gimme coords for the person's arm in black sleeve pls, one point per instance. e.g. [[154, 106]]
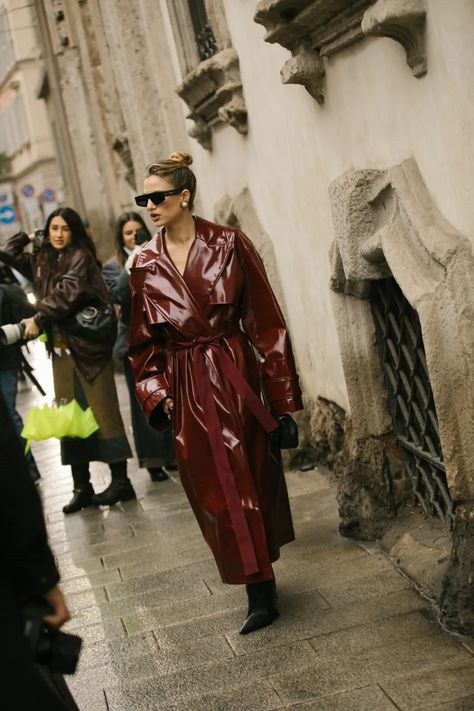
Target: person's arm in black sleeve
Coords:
[[13, 253], [25, 553], [111, 273]]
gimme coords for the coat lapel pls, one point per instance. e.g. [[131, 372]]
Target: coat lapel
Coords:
[[181, 300]]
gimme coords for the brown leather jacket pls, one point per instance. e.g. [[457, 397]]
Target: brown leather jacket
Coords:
[[58, 297]]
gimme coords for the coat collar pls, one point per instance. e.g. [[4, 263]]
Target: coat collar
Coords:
[[206, 262]]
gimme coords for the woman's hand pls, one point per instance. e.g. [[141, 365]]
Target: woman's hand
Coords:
[[31, 328], [168, 406], [60, 613]]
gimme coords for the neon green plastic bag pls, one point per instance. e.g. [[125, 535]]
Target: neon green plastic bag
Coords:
[[64, 421]]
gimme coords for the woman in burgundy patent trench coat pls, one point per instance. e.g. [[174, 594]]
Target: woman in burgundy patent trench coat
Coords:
[[201, 303]]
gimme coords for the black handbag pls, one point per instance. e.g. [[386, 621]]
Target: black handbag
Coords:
[[95, 321]]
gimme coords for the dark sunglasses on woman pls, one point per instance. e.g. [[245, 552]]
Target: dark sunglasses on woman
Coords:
[[156, 197]]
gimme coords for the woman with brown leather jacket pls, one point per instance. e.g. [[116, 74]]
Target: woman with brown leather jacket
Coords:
[[65, 273]]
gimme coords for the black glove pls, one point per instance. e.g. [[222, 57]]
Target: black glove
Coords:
[[287, 432]]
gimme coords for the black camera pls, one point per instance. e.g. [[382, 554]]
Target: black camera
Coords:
[[141, 237], [11, 333], [59, 651]]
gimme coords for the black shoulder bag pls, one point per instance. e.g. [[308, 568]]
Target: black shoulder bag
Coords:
[[95, 322]]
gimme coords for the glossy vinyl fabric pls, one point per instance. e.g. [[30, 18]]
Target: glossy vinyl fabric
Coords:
[[192, 337]]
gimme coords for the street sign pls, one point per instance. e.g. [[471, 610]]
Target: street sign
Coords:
[[27, 190], [48, 195], [7, 215]]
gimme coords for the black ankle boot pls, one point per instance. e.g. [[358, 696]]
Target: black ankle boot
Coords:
[[82, 497], [157, 474], [262, 606], [118, 490]]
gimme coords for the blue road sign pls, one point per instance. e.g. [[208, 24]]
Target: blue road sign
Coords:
[[28, 190], [7, 215], [48, 195]]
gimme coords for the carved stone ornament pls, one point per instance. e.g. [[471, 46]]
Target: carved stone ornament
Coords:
[[403, 21], [213, 93], [313, 29], [122, 148]]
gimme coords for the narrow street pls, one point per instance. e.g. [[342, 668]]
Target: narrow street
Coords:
[[160, 630]]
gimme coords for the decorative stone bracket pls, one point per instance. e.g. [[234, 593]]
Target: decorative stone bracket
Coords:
[[403, 21], [213, 93], [313, 29]]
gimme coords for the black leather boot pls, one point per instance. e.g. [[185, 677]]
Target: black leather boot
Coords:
[[158, 474], [81, 498], [119, 489], [83, 491], [262, 606]]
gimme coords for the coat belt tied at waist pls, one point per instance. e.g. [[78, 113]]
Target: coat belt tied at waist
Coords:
[[214, 429]]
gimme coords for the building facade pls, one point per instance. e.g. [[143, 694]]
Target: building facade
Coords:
[[30, 181], [339, 136]]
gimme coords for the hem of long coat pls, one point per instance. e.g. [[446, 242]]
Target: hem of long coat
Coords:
[[265, 573]]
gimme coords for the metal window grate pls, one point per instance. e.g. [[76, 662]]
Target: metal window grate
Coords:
[[206, 42], [410, 397]]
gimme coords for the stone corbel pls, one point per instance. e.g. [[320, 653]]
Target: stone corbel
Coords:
[[307, 68], [404, 22], [122, 148], [213, 93], [314, 29]]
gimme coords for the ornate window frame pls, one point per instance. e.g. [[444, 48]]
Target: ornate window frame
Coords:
[[386, 224], [212, 88]]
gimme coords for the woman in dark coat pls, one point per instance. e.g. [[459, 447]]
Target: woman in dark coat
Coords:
[[154, 449], [65, 273], [201, 304]]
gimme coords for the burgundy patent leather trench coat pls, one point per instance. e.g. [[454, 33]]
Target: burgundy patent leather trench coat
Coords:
[[192, 338]]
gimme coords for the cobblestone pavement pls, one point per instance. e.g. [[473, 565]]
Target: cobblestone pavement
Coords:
[[161, 631]]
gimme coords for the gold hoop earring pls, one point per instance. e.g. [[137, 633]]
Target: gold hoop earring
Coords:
[[184, 204]]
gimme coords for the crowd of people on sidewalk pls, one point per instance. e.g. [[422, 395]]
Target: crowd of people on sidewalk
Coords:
[[206, 356]]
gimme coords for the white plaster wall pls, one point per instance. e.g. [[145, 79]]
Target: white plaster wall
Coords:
[[376, 115]]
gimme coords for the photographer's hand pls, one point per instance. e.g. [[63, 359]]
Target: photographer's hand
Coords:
[[31, 330], [60, 612]]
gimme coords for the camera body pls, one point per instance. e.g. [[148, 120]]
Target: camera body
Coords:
[[56, 650], [38, 239], [11, 333], [141, 237]]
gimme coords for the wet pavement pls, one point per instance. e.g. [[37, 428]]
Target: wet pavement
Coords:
[[160, 630]]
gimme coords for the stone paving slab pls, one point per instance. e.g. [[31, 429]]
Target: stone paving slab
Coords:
[[204, 680], [160, 629], [431, 687]]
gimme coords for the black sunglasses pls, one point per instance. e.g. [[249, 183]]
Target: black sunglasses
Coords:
[[156, 197]]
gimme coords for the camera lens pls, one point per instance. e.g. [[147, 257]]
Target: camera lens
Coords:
[[11, 333]]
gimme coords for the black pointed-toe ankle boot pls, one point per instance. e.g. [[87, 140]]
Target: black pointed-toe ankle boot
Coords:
[[262, 606], [83, 491], [119, 489], [158, 474]]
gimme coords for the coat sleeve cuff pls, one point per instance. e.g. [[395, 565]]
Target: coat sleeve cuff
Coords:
[[283, 392], [153, 410]]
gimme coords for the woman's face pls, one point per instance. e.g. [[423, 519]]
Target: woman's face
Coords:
[[60, 235], [129, 230], [168, 211]]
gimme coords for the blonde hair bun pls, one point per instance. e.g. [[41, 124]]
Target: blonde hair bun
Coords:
[[183, 158]]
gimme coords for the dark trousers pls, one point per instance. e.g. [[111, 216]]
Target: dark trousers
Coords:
[[8, 390]]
